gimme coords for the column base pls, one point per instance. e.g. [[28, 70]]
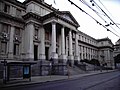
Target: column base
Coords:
[[10, 55], [29, 56], [71, 60], [63, 59], [54, 57], [42, 57], [77, 58]]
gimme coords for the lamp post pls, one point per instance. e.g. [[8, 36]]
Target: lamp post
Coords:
[[4, 72], [50, 69]]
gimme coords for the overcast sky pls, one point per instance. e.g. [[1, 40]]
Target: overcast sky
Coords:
[[87, 24]]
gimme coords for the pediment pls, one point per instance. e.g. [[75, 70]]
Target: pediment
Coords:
[[68, 16]]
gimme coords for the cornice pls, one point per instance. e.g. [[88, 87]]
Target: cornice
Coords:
[[11, 17], [41, 2], [88, 44], [17, 3], [102, 47], [32, 15]]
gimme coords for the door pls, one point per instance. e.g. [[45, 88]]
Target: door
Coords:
[[46, 52], [35, 52]]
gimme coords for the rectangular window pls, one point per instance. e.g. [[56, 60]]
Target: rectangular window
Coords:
[[6, 8], [36, 32], [16, 49], [3, 47], [5, 28], [46, 35]]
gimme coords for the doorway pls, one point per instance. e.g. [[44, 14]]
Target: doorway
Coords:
[[35, 52], [46, 52]]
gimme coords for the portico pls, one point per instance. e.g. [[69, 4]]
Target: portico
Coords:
[[62, 40]]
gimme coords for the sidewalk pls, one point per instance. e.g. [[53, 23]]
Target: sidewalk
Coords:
[[43, 79]]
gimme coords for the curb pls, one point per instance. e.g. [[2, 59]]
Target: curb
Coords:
[[59, 80], [101, 82]]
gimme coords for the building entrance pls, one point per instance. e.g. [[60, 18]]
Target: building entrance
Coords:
[[47, 52], [35, 52]]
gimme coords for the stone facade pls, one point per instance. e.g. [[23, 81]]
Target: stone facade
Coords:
[[117, 48], [35, 31]]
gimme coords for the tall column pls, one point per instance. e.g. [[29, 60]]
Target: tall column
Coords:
[[90, 53], [76, 48], [53, 42], [67, 46], [82, 52], [108, 54], [11, 44], [29, 33], [71, 58], [63, 56], [62, 41], [59, 49], [42, 43], [70, 44]]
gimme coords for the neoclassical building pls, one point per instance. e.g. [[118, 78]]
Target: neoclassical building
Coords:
[[35, 31], [117, 48]]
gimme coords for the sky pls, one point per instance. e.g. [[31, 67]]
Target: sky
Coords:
[[87, 24]]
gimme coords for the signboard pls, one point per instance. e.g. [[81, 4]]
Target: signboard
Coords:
[[26, 71]]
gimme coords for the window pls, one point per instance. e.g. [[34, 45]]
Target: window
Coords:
[[36, 32], [18, 12], [17, 31], [5, 28], [6, 8], [3, 47], [16, 49], [46, 35]]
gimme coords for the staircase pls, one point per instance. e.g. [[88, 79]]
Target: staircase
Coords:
[[76, 70]]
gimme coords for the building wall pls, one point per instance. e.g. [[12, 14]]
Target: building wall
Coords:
[[20, 35]]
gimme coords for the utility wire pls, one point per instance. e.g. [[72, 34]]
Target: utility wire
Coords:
[[105, 8], [84, 2], [105, 13], [109, 13], [92, 18]]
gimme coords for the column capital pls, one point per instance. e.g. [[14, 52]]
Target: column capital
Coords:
[[53, 22]]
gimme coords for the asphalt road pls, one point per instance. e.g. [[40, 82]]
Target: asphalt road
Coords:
[[106, 81]]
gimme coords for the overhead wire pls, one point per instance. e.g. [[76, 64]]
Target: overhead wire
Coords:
[[105, 7], [92, 17], [106, 14], [84, 2], [109, 13]]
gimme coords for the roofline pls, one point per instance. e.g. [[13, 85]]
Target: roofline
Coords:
[[70, 15], [18, 3], [55, 14], [42, 3]]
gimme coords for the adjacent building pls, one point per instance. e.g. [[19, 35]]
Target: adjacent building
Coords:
[[35, 31]]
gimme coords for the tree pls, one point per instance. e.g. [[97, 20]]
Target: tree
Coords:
[[95, 62]]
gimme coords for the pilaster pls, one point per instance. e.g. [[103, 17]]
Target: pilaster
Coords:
[[11, 44]]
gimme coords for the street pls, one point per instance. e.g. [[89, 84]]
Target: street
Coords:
[[106, 81]]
